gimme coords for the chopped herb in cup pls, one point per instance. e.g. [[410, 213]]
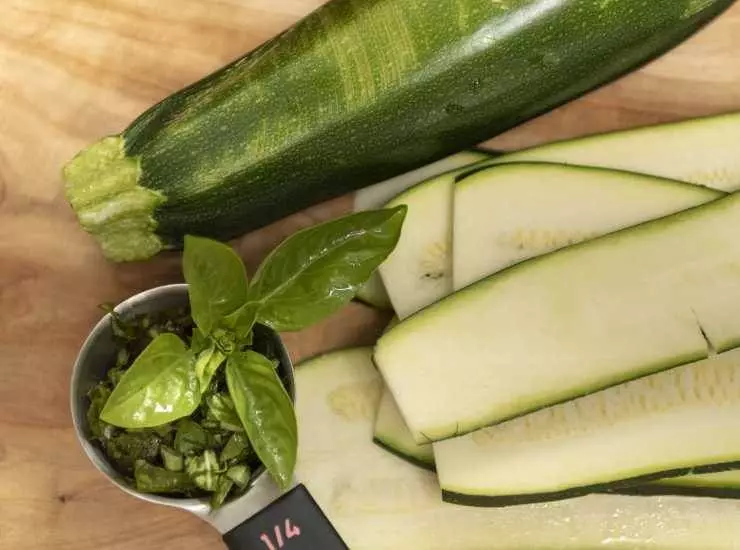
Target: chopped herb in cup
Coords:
[[194, 404]]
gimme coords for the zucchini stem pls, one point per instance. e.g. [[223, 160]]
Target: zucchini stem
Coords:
[[102, 186]]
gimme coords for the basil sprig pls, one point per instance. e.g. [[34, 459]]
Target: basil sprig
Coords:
[[306, 278]]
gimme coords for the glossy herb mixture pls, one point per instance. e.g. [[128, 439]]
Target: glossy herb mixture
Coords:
[[194, 403]]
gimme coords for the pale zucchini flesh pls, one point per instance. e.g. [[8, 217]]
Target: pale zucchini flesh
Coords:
[[378, 502], [508, 213], [390, 432], [419, 270], [417, 273], [680, 421], [376, 196], [373, 293], [568, 206], [701, 151], [513, 212], [569, 323]]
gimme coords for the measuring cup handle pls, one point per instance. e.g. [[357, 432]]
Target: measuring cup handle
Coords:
[[293, 521]]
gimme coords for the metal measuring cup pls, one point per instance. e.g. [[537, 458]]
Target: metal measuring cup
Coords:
[[98, 353]]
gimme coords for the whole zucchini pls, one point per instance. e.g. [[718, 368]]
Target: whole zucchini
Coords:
[[356, 92]]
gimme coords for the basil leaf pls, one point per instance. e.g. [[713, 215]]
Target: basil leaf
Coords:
[[172, 460], [152, 479], [209, 422], [126, 448], [207, 364], [217, 280], [224, 340], [191, 437], [221, 407], [239, 474], [242, 321], [318, 270], [198, 341], [98, 396], [115, 374], [266, 412], [236, 449], [223, 486], [204, 470], [121, 360], [122, 330], [219, 438], [165, 431], [160, 386]]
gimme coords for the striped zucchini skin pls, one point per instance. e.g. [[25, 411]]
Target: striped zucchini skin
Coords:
[[357, 92]]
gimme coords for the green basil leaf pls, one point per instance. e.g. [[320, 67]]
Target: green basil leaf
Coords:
[[239, 474], [98, 396], [242, 321], [236, 449], [222, 408], [152, 479], [121, 361], [122, 330], [204, 470], [198, 341], [160, 386], [225, 340], [210, 423], [115, 374], [191, 437], [217, 280], [223, 486], [219, 437], [165, 431], [318, 270], [125, 448], [172, 460], [207, 364], [266, 412]]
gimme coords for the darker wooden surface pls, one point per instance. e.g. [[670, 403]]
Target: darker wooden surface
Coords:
[[73, 70]]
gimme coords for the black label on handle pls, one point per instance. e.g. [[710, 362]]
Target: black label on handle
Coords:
[[292, 522]]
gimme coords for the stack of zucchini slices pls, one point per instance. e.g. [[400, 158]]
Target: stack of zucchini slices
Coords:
[[568, 317]]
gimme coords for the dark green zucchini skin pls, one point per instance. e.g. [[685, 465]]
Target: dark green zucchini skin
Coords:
[[631, 486], [732, 493], [362, 90], [411, 460]]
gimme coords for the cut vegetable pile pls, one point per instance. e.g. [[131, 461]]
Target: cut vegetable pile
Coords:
[[583, 335], [587, 317], [609, 439], [361, 488], [419, 273], [673, 150]]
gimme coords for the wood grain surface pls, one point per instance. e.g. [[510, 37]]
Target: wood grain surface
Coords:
[[74, 70]]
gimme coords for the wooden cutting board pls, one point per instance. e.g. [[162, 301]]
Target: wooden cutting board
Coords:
[[74, 70]]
